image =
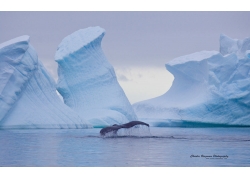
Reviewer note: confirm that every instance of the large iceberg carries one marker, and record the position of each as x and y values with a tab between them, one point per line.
87	81
209	88
28	96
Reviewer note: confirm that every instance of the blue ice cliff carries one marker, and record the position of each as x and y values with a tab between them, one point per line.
209	88
87	81
28	96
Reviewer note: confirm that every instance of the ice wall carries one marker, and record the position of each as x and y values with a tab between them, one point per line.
28	96
87	81
209	87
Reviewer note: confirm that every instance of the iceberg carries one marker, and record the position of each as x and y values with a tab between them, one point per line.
28	96
87	81
210	88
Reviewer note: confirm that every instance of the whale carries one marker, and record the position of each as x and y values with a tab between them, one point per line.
114	128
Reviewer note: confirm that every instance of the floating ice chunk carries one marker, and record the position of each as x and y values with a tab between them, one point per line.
208	88
87	81
28	96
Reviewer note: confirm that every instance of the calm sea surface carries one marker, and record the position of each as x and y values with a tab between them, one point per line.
138	147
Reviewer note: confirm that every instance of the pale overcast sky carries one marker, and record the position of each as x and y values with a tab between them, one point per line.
137	44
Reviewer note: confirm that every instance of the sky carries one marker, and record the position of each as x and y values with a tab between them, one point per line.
137	43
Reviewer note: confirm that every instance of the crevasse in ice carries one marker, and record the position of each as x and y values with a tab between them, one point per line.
87	81
209	87
28	96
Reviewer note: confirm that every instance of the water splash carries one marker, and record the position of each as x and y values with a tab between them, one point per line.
135	131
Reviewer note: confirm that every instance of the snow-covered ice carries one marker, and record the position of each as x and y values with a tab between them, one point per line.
28	96
87	81
209	87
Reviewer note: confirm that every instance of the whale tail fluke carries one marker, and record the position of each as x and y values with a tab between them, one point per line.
114	128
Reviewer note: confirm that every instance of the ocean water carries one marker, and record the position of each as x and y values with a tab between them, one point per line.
137	147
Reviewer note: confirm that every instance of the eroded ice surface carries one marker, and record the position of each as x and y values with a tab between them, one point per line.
28	96
87	81
208	87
